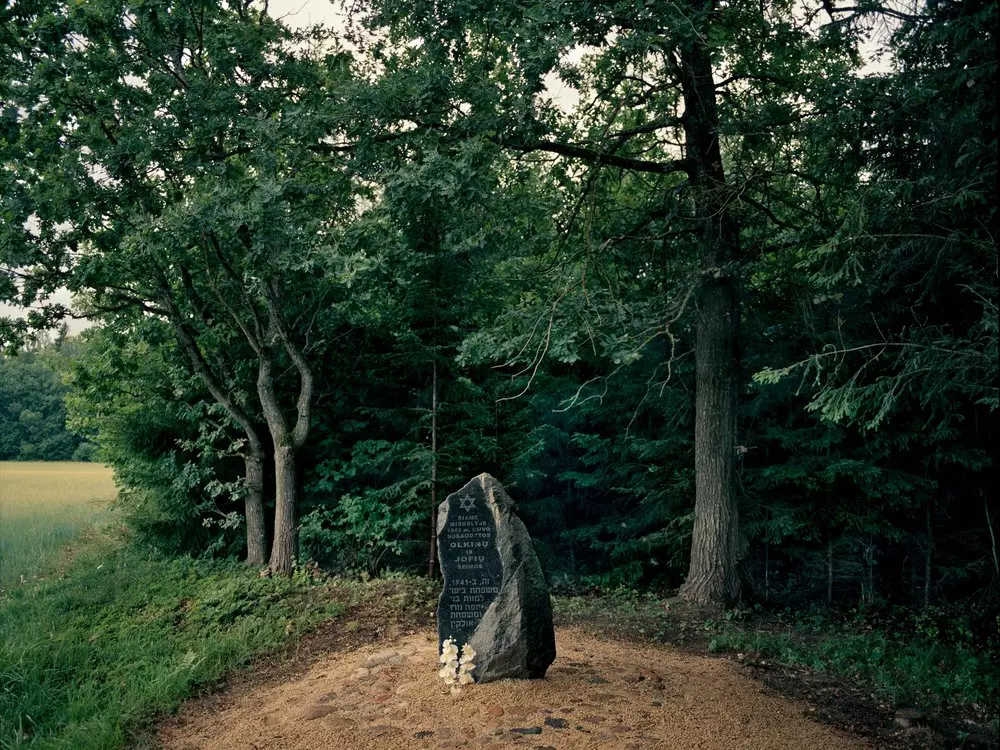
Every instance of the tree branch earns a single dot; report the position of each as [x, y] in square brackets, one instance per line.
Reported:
[303, 406]
[601, 157]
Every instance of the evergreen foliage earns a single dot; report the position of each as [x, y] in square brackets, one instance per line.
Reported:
[393, 272]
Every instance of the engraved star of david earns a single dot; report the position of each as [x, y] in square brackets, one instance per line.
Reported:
[466, 502]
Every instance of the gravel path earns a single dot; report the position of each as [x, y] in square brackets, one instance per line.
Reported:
[597, 694]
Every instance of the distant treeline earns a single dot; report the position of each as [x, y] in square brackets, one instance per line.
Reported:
[32, 406]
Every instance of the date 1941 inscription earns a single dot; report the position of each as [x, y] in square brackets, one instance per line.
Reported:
[471, 566]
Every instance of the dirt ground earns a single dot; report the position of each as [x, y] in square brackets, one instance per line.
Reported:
[598, 694]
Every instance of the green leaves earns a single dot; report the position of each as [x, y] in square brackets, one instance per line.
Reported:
[32, 413]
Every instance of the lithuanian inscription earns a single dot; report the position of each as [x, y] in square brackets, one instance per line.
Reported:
[470, 563]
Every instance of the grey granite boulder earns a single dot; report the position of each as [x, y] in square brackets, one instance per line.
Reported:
[495, 597]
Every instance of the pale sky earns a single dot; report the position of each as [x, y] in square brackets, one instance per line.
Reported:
[299, 13]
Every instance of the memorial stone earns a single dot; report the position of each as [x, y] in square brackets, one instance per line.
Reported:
[495, 598]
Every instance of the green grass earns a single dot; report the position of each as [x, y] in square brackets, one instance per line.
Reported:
[90, 657]
[44, 506]
[94, 648]
[914, 662]
[96, 645]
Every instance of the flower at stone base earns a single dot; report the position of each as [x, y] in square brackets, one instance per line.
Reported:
[457, 670]
[449, 651]
[466, 665]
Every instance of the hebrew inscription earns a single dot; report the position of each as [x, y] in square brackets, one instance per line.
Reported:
[470, 563]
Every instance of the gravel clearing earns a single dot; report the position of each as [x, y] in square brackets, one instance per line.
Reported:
[598, 694]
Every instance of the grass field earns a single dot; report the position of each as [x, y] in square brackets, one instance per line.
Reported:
[96, 645]
[90, 657]
[43, 506]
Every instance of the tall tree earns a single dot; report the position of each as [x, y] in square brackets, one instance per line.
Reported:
[170, 157]
[649, 88]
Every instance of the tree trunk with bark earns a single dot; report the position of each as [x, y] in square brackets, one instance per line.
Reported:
[716, 544]
[287, 442]
[254, 457]
[254, 479]
[268, 336]
[285, 542]
[284, 547]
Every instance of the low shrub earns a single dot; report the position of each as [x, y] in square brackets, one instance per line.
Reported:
[932, 659]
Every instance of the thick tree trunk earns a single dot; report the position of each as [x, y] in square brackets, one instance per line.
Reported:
[716, 544]
[256, 535]
[287, 443]
[284, 546]
[716, 550]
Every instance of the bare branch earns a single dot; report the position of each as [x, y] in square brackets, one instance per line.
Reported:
[601, 157]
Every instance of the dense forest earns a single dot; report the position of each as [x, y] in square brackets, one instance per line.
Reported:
[710, 286]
